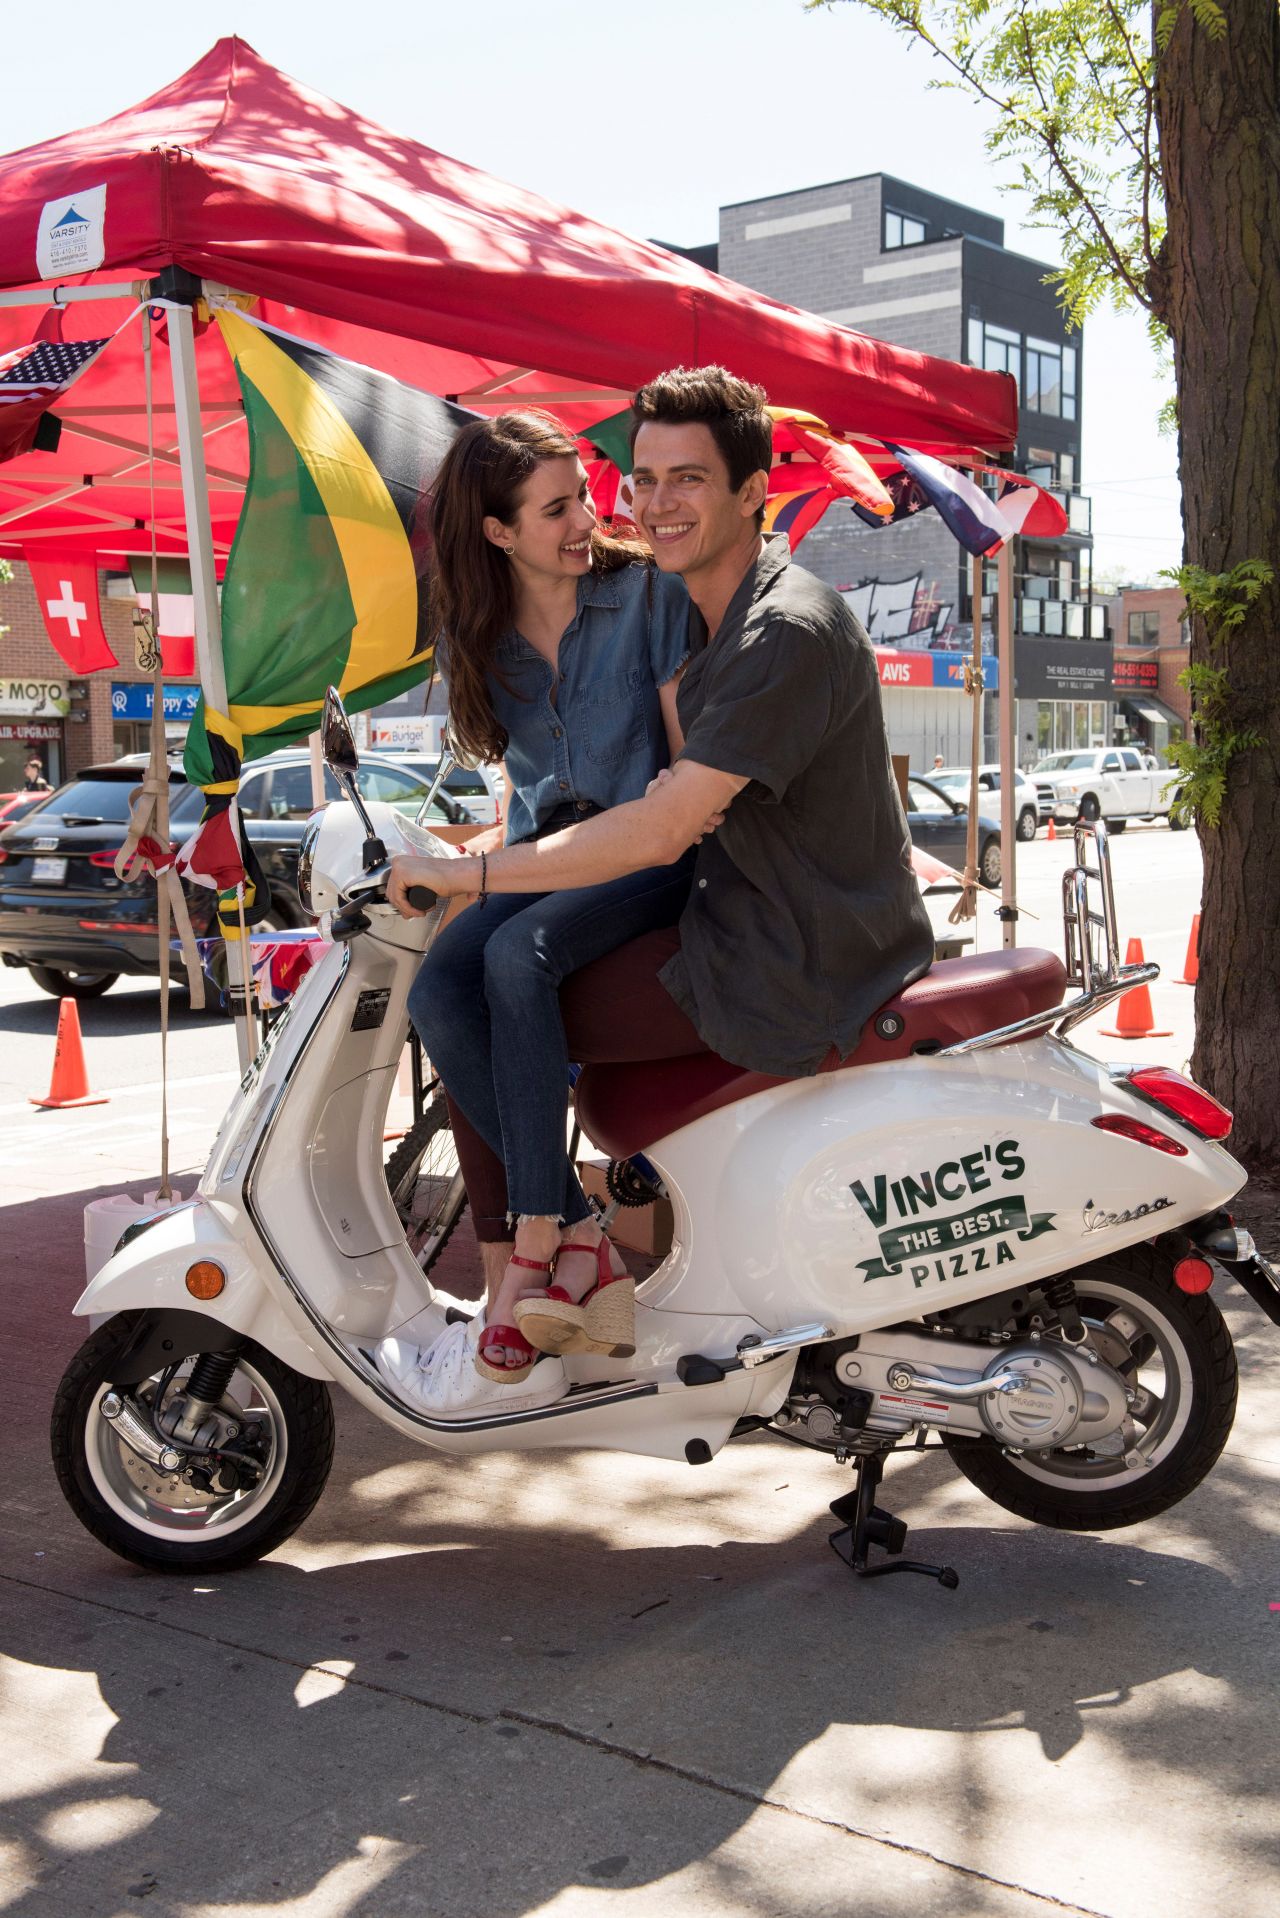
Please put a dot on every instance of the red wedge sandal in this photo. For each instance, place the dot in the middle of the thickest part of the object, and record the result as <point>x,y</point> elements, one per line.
<point>510,1336</point>
<point>603,1321</point>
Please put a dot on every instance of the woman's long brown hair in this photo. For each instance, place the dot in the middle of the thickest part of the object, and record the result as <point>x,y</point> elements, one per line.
<point>472,596</point>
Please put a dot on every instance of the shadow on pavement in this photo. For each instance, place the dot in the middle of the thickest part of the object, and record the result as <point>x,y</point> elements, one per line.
<point>121,1014</point>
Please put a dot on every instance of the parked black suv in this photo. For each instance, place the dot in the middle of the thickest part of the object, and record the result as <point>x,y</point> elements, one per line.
<point>76,927</point>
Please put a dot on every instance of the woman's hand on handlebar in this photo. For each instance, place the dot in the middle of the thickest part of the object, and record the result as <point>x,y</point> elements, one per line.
<point>444,877</point>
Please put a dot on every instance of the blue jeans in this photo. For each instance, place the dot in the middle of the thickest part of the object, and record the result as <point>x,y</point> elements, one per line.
<point>485,1005</point>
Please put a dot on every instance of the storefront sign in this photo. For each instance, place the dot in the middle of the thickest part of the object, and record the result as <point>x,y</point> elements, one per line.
<point>45,696</point>
<point>1062,668</point>
<point>903,669</point>
<point>944,671</point>
<point>948,670</point>
<point>32,729</point>
<point>134,702</point>
<point>1135,675</point>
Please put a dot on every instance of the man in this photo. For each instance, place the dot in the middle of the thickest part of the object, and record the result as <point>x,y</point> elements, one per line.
<point>805,915</point>
<point>938,762</point>
<point>34,780</point>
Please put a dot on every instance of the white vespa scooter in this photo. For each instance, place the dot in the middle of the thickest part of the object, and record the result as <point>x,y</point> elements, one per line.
<point>970,1230</point>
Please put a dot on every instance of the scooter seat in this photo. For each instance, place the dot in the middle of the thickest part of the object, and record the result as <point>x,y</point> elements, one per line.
<point>624,1108</point>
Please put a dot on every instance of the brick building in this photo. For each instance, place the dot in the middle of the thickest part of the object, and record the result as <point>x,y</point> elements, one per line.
<point>1153,648</point>
<point>72,721</point>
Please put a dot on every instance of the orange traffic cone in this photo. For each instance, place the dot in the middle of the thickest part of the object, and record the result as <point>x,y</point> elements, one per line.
<point>70,1083</point>
<point>1191,965</point>
<point>1053,830</point>
<point>1135,1018</point>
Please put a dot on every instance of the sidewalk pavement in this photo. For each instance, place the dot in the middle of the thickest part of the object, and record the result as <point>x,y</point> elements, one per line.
<point>581,1685</point>
<point>592,1685</point>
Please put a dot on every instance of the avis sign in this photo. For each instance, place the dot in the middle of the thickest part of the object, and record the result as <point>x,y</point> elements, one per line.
<point>918,1231</point>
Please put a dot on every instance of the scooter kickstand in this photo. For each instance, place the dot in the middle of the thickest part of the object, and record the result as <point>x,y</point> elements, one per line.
<point>866,1524</point>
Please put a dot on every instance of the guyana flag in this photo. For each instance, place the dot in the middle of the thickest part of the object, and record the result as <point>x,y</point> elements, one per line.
<point>324,582</point>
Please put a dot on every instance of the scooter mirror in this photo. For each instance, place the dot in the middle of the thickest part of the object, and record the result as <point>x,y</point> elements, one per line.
<point>337,741</point>
<point>457,753</point>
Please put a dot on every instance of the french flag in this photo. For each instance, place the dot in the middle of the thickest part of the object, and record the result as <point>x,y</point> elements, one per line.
<point>972,515</point>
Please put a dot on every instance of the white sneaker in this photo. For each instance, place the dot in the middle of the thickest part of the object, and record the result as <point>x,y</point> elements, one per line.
<point>441,1378</point>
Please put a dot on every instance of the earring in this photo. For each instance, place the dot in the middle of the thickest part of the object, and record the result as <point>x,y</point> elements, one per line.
<point>508,550</point>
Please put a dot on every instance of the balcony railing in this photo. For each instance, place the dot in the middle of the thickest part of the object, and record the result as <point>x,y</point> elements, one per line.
<point>1061,619</point>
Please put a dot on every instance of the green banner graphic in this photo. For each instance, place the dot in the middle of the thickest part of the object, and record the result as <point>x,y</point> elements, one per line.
<point>933,1236</point>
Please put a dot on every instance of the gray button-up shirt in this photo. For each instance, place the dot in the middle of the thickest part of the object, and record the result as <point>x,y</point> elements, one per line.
<point>805,915</point>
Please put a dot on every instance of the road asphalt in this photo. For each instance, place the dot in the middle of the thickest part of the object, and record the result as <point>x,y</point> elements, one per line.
<point>584,1685</point>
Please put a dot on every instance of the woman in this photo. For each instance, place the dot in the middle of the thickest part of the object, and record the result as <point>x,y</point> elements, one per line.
<point>562,650</point>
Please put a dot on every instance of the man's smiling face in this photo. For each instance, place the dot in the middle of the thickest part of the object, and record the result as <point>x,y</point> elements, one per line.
<point>684,504</point>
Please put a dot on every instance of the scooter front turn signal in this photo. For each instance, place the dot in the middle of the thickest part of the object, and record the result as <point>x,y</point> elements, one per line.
<point>205,1280</point>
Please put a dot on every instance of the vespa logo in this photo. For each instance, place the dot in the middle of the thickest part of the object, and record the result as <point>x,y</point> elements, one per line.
<point>1096,1220</point>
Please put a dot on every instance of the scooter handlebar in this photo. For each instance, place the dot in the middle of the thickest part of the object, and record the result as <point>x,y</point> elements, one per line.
<point>421,898</point>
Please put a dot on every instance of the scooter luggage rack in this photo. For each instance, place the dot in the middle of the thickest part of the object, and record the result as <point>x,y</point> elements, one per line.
<point>1092,951</point>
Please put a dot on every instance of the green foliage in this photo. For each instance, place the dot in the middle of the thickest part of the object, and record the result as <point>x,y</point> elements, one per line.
<point>1223,601</point>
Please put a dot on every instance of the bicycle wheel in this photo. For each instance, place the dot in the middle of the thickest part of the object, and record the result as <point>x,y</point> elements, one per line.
<point>426,1184</point>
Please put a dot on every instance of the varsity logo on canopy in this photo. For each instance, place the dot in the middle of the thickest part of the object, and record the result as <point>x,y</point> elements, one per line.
<point>71,235</point>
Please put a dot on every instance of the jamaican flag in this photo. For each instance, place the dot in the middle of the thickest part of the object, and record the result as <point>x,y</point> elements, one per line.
<point>324,582</point>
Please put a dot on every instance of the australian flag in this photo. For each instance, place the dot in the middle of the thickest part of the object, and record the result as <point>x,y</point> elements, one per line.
<point>31,378</point>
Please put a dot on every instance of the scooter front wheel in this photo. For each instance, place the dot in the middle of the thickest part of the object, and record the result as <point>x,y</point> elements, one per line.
<point>204,1515</point>
<point>1175,1355</point>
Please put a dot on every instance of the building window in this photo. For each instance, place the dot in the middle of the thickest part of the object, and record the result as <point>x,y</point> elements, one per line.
<point>1044,378</point>
<point>1068,386</point>
<point>995,348</point>
<point>1144,629</point>
<point>899,230</point>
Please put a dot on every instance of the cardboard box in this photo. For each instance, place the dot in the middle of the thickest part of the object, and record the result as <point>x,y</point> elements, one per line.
<point>639,1228</point>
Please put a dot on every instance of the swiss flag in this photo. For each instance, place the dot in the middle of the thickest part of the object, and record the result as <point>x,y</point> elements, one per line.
<point>67,590</point>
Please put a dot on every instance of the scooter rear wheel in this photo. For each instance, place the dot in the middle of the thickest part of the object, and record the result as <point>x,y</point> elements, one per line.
<point>1175,1352</point>
<point>161,1520</point>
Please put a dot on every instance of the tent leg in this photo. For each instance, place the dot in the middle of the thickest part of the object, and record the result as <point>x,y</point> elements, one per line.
<point>204,578</point>
<point>1008,745</point>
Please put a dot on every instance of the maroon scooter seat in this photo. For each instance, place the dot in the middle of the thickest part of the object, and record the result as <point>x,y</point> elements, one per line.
<point>624,1108</point>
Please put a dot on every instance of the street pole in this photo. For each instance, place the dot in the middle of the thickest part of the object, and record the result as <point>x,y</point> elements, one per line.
<point>1008,745</point>
<point>204,581</point>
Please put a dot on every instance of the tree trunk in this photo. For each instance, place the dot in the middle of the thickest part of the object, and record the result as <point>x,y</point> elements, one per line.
<point>1218,106</point>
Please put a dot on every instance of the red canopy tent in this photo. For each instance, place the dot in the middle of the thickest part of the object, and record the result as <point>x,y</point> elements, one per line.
<point>388,253</point>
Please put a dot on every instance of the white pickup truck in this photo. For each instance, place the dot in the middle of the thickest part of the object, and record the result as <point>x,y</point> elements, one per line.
<point>1114,783</point>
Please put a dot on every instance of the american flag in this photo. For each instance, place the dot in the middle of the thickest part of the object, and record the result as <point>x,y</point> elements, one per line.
<point>31,378</point>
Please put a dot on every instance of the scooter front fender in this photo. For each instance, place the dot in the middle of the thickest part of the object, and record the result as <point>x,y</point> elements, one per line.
<point>149,1275</point>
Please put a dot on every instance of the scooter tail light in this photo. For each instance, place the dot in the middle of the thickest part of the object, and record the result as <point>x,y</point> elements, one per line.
<point>1126,1128</point>
<point>1184,1098</point>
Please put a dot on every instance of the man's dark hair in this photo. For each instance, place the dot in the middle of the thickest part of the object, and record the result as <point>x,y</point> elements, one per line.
<point>732,409</point>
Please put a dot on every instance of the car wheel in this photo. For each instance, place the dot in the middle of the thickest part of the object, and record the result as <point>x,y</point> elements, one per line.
<point>1176,824</point>
<point>1028,823</point>
<point>1116,825</point>
<point>72,985</point>
<point>989,866</point>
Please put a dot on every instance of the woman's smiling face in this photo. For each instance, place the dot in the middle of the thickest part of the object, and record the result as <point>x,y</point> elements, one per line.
<point>552,529</point>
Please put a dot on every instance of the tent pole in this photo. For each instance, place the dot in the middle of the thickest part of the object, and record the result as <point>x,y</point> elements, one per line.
<point>1008,744</point>
<point>204,578</point>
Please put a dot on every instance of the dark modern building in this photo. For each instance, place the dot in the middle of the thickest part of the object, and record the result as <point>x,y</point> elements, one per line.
<point>891,259</point>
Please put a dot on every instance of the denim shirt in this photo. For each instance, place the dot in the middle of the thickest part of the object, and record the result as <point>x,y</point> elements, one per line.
<point>601,739</point>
